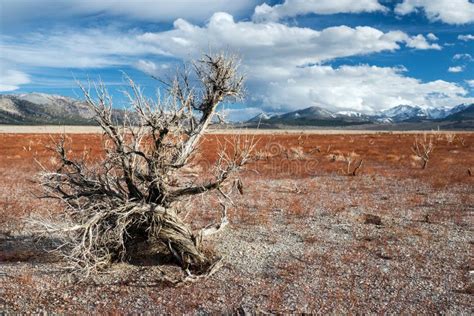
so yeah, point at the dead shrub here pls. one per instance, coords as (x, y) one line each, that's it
(352, 162)
(450, 137)
(422, 148)
(135, 194)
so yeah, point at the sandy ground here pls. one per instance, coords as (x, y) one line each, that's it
(304, 237)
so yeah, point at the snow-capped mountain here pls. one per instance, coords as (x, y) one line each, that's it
(323, 117)
(260, 117)
(312, 115)
(459, 108)
(350, 114)
(402, 113)
(441, 113)
(313, 112)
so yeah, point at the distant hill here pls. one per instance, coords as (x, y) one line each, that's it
(40, 108)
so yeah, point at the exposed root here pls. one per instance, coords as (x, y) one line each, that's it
(107, 236)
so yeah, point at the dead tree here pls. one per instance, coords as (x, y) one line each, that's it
(133, 195)
(422, 148)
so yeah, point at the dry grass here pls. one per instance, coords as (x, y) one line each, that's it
(299, 239)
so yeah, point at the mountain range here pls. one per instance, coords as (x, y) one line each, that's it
(401, 114)
(45, 109)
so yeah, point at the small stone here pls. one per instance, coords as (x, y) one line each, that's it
(372, 219)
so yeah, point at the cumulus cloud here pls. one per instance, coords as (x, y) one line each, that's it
(420, 42)
(455, 69)
(293, 8)
(470, 83)
(283, 67)
(278, 44)
(466, 38)
(142, 10)
(271, 43)
(363, 88)
(11, 79)
(447, 11)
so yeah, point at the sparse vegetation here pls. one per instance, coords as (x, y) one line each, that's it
(422, 148)
(450, 137)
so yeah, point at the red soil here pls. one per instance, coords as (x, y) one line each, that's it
(298, 195)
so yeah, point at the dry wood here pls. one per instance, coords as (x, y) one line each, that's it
(133, 195)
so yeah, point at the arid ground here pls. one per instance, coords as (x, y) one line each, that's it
(306, 236)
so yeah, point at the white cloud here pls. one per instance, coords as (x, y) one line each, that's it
(142, 10)
(466, 57)
(362, 88)
(11, 79)
(456, 69)
(293, 8)
(84, 48)
(432, 37)
(470, 83)
(151, 68)
(277, 44)
(447, 11)
(420, 42)
(273, 54)
(466, 38)
(271, 43)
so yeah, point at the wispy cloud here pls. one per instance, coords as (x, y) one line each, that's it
(466, 57)
(141, 10)
(466, 37)
(11, 79)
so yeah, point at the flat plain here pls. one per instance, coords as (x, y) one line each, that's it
(307, 235)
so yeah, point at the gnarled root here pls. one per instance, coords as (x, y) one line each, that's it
(95, 238)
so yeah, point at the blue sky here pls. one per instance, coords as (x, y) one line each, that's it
(361, 55)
